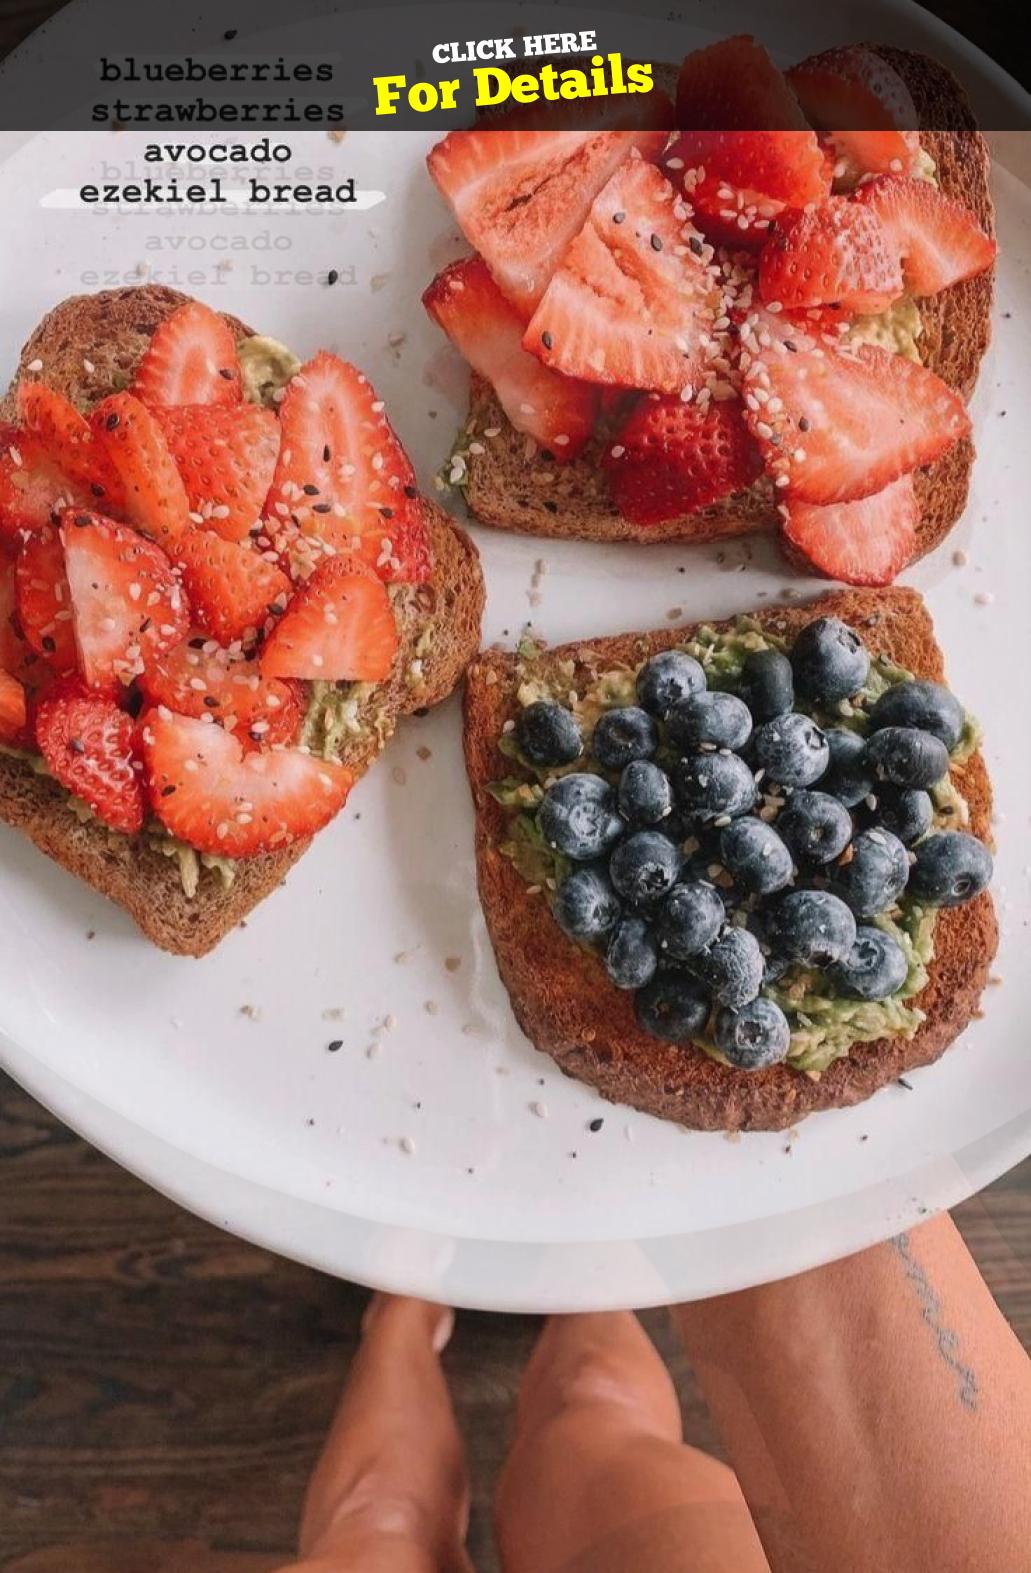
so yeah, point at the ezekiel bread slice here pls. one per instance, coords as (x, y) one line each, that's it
(561, 994)
(543, 498)
(110, 331)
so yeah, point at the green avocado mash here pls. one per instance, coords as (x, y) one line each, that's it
(266, 367)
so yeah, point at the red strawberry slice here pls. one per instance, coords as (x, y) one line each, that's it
(736, 85)
(89, 745)
(232, 590)
(940, 240)
(190, 360)
(226, 457)
(211, 794)
(521, 196)
(12, 641)
(33, 487)
(68, 440)
(44, 601)
(738, 181)
(153, 495)
(557, 411)
(127, 603)
(343, 475)
(199, 678)
(864, 542)
(13, 710)
(339, 626)
(672, 458)
(631, 301)
(830, 256)
(858, 153)
(854, 86)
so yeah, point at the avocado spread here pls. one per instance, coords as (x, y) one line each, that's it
(266, 367)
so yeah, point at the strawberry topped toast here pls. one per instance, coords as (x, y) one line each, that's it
(724, 329)
(219, 590)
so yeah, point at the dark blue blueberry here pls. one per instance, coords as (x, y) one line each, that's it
(874, 968)
(622, 735)
(645, 793)
(753, 1037)
(645, 867)
(811, 927)
(927, 706)
(548, 734)
(876, 873)
(586, 906)
(713, 717)
(578, 817)
(689, 919)
(846, 777)
(631, 957)
(712, 785)
(666, 678)
(906, 757)
(816, 826)
(767, 684)
(830, 661)
(792, 750)
(732, 966)
(756, 856)
(906, 811)
(673, 1007)
(951, 867)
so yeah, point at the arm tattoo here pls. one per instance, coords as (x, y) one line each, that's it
(931, 1311)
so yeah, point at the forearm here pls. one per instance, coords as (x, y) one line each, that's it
(877, 1411)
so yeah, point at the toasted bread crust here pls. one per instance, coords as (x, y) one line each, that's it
(111, 330)
(561, 995)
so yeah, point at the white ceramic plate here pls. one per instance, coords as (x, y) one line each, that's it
(423, 1166)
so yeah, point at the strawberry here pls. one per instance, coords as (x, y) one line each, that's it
(864, 542)
(199, 678)
(855, 87)
(830, 256)
(340, 626)
(232, 590)
(671, 458)
(44, 601)
(557, 411)
(13, 710)
(738, 181)
(838, 424)
(127, 603)
(89, 745)
(211, 794)
(940, 240)
(68, 440)
(33, 487)
(12, 641)
(631, 300)
(736, 85)
(343, 475)
(191, 359)
(153, 495)
(521, 196)
(226, 456)
(874, 152)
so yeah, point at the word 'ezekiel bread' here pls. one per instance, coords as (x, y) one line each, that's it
(560, 993)
(90, 345)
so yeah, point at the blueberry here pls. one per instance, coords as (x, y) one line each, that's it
(689, 919)
(753, 1037)
(811, 927)
(830, 661)
(906, 811)
(756, 856)
(815, 826)
(927, 706)
(586, 906)
(767, 684)
(713, 717)
(631, 958)
(875, 875)
(548, 734)
(951, 867)
(847, 777)
(578, 817)
(645, 793)
(666, 678)
(673, 1007)
(907, 757)
(622, 735)
(711, 785)
(732, 966)
(645, 867)
(791, 749)
(874, 968)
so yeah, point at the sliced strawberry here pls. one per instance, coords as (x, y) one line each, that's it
(864, 542)
(13, 709)
(191, 359)
(211, 794)
(832, 255)
(631, 301)
(153, 495)
(33, 487)
(127, 603)
(226, 457)
(854, 86)
(343, 475)
(521, 196)
(44, 601)
(874, 152)
(940, 240)
(89, 745)
(199, 678)
(340, 626)
(67, 438)
(557, 411)
(735, 85)
(738, 181)
(232, 590)
(671, 458)
(12, 640)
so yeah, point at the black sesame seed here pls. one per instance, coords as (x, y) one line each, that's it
(167, 791)
(411, 491)
(327, 454)
(695, 245)
(335, 1046)
(97, 489)
(311, 490)
(145, 625)
(230, 34)
(803, 424)
(111, 422)
(197, 644)
(224, 371)
(48, 644)
(322, 507)
(618, 218)
(547, 340)
(386, 513)
(789, 344)
(596, 1124)
(332, 276)
(211, 701)
(656, 243)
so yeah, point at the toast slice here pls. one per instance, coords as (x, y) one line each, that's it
(561, 995)
(89, 345)
(537, 497)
